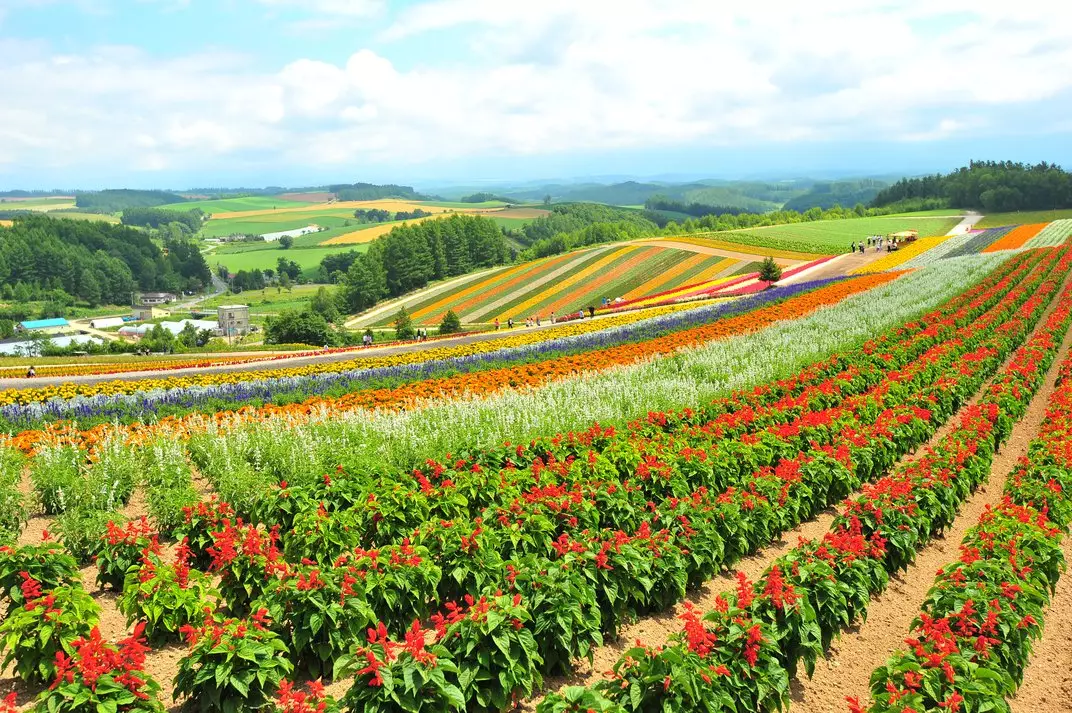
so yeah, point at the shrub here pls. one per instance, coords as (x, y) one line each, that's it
(200, 521)
(48, 624)
(232, 666)
(495, 653)
(290, 700)
(81, 530)
(101, 677)
(451, 323)
(393, 676)
(121, 548)
(166, 597)
(243, 556)
(403, 324)
(55, 476)
(47, 564)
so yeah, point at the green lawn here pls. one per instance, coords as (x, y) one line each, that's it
(308, 258)
(270, 300)
(826, 236)
(230, 205)
(996, 220)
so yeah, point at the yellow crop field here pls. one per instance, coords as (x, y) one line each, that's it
(7, 223)
(367, 235)
(387, 204)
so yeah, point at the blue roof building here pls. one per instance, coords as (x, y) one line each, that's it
(44, 323)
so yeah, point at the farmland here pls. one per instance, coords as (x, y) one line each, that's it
(267, 256)
(541, 505)
(997, 220)
(567, 283)
(834, 236)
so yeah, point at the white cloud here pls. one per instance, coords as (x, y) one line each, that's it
(554, 76)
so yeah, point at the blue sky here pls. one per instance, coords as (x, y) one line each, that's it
(179, 93)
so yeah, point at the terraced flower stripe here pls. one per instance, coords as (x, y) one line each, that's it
(614, 350)
(941, 251)
(1015, 238)
(749, 646)
(981, 241)
(1056, 233)
(900, 257)
(713, 242)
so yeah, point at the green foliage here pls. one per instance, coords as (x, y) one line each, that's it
(120, 549)
(294, 327)
(167, 597)
(403, 324)
(120, 199)
(578, 699)
(769, 270)
(325, 304)
(233, 666)
(484, 197)
(101, 678)
(46, 625)
(13, 510)
(372, 215)
(161, 217)
(286, 242)
(93, 261)
(414, 254)
(371, 192)
(491, 643)
(81, 530)
(578, 224)
(48, 564)
(396, 677)
(990, 186)
(451, 323)
(54, 473)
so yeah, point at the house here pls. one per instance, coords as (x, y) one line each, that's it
(147, 312)
(45, 326)
(155, 298)
(233, 319)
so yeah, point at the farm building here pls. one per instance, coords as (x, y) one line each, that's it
(146, 312)
(106, 322)
(47, 326)
(233, 319)
(155, 298)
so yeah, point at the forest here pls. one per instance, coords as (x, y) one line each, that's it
(411, 256)
(114, 200)
(989, 186)
(157, 217)
(371, 192)
(98, 263)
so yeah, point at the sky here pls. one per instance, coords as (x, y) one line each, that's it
(218, 93)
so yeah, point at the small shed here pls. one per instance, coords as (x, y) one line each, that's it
(106, 322)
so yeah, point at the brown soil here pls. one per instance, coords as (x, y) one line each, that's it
(1047, 686)
(846, 671)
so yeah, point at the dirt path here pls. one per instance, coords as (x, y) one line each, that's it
(1047, 686)
(847, 669)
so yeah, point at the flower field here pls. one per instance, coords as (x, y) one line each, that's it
(462, 528)
(574, 281)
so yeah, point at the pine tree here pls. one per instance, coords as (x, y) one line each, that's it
(769, 271)
(403, 324)
(451, 324)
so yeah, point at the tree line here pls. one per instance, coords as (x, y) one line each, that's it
(378, 215)
(993, 186)
(372, 191)
(48, 258)
(114, 200)
(158, 217)
(412, 255)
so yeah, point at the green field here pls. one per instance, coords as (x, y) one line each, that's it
(834, 236)
(231, 205)
(270, 300)
(42, 204)
(458, 204)
(997, 220)
(937, 213)
(308, 258)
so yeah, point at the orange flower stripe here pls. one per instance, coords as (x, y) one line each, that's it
(655, 283)
(556, 287)
(609, 276)
(1016, 237)
(475, 384)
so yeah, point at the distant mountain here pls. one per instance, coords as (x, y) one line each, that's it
(844, 193)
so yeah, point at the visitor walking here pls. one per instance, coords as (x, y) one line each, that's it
(31, 372)
(496, 324)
